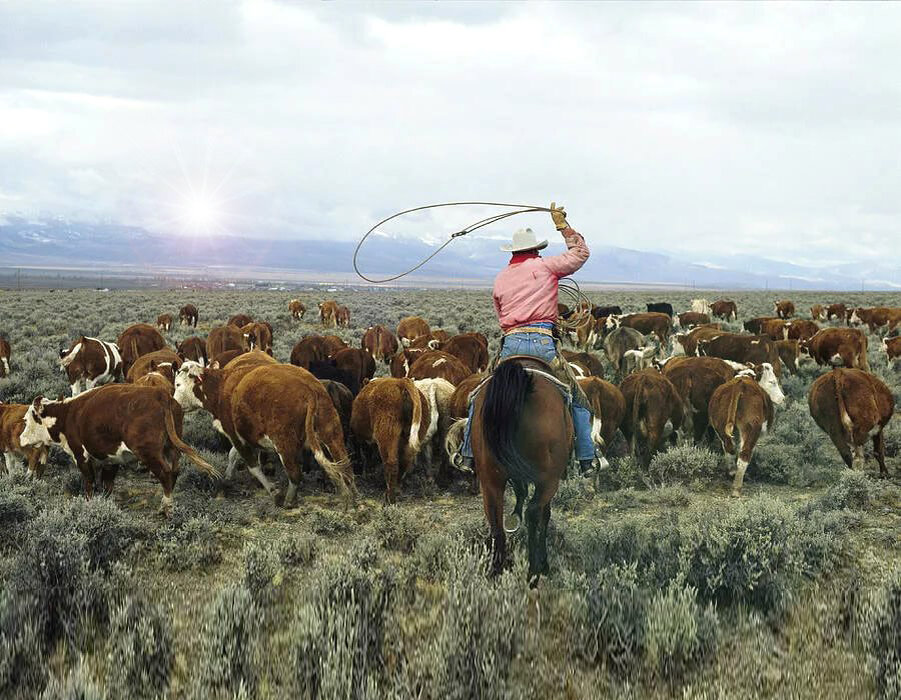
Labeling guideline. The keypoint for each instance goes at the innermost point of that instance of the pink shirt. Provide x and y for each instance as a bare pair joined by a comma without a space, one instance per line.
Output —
526,292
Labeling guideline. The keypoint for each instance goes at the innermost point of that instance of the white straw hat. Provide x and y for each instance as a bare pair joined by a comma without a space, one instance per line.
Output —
524,240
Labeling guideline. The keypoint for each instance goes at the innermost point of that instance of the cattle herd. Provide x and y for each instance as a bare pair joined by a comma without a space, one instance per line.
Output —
676,376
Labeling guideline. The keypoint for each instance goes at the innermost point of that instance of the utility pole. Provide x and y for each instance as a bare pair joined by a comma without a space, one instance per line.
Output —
19,279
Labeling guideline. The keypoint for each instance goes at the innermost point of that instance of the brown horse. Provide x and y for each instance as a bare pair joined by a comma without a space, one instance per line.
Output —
522,433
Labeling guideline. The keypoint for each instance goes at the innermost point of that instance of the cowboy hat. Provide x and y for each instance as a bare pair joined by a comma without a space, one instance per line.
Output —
524,240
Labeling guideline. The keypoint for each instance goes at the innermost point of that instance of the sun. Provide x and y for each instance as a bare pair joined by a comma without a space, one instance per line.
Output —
201,214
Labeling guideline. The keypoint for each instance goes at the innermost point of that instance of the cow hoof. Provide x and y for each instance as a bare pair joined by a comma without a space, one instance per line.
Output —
735,493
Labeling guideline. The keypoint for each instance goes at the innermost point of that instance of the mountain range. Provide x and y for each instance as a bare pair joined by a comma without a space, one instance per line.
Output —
54,242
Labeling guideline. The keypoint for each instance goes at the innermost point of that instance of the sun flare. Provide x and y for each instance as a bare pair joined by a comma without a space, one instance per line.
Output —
201,214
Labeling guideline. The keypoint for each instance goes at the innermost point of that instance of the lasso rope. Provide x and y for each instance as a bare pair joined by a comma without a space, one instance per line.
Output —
579,304
520,209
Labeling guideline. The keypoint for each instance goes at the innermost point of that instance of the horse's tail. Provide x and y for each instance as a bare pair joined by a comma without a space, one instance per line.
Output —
505,396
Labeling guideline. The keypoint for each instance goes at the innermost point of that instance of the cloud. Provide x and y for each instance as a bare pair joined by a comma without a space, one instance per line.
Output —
703,128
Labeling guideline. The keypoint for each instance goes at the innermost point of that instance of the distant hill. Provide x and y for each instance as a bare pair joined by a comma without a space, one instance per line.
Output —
54,242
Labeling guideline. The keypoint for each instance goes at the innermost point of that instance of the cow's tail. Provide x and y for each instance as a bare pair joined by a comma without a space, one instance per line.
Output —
186,449
732,412
412,393
844,417
5,361
862,359
506,394
338,470
636,416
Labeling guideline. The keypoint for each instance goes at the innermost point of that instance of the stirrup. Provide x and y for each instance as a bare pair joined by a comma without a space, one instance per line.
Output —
462,463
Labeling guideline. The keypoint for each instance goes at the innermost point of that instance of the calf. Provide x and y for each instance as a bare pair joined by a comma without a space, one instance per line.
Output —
164,322
789,354
156,379
223,338
607,407
187,315
588,333
746,349
439,393
639,358
740,411
258,336
851,406
470,348
755,325
91,362
687,343
239,320
690,319
137,340
327,371
837,312
193,349
892,348
801,329
102,425
342,316
164,361
784,308
584,363
818,312
660,324
12,423
695,379
286,409
5,352
437,364
411,327
833,346
297,309
775,329
725,309
328,313
604,311
652,404
395,416
701,306
358,362
379,342
661,307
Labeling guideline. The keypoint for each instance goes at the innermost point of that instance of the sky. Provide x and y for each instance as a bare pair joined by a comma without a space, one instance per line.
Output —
710,129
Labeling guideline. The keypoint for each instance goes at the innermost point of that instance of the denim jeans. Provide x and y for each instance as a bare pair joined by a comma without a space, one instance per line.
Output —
543,347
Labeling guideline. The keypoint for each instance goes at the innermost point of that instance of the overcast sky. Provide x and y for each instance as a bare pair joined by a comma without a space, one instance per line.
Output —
769,128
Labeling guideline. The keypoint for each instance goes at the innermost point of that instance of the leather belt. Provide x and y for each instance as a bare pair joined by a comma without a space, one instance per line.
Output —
529,329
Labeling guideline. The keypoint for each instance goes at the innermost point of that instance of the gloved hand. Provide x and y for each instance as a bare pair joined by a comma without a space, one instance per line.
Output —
559,217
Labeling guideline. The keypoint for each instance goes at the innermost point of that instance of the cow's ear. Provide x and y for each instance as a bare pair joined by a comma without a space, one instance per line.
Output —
38,405
215,364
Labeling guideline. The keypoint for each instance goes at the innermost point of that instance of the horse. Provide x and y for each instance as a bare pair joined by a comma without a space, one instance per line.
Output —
522,433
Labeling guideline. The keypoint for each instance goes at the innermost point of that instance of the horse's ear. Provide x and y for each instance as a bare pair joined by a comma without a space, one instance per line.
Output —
153,366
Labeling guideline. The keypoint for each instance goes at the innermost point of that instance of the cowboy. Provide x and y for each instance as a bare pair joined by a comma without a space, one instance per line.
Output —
525,299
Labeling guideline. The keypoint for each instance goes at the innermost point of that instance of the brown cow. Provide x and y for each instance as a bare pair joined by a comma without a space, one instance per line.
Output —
411,327
725,309
222,338
312,348
164,322
892,348
187,315
690,319
837,312
379,342
607,406
438,364
755,325
333,344
400,364
459,403
775,329
239,320
442,336
5,353
659,324
877,317
687,343
395,416
164,361
358,362
156,379
258,336
286,409
833,345
137,340
90,361
328,313
470,348
818,312
193,349
651,404
584,363
210,388
740,411
297,309
850,406
695,380
12,423
342,316
223,359
745,349
784,308
789,354
342,400
104,424
801,329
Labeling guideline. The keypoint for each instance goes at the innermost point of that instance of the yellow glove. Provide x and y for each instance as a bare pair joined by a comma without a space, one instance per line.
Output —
559,217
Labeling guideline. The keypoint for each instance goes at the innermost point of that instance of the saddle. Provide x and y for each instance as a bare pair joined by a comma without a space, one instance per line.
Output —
542,369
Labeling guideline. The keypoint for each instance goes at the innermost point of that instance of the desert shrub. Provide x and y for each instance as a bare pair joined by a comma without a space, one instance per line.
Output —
396,528
297,550
608,611
624,472
853,490
431,555
338,631
822,539
678,632
187,542
329,522
745,552
77,685
680,464
263,571
882,632
229,646
573,493
141,650
15,510
21,652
